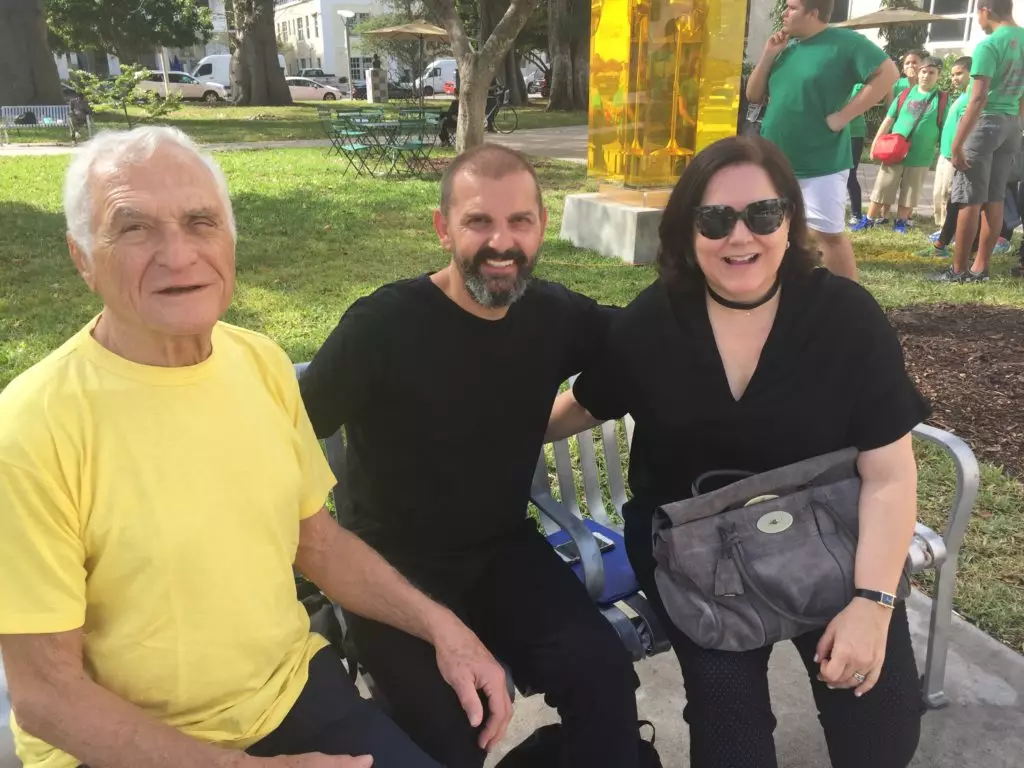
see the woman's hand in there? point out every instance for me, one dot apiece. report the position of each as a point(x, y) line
point(854, 645)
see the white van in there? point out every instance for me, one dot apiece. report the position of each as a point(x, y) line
point(437, 73)
point(217, 69)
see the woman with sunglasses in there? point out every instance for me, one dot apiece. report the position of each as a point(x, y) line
point(744, 356)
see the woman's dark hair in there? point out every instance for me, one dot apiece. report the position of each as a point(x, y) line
point(677, 258)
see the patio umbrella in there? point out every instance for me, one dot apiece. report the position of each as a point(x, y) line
point(889, 16)
point(420, 30)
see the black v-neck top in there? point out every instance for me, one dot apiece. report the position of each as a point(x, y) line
point(831, 375)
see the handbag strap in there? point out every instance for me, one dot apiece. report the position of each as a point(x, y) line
point(736, 550)
point(917, 121)
point(718, 474)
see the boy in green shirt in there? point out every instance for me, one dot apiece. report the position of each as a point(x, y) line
point(987, 139)
point(919, 119)
point(809, 69)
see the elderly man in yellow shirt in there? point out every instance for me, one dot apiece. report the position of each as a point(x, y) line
point(159, 478)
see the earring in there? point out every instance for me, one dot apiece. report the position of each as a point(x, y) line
point(787, 245)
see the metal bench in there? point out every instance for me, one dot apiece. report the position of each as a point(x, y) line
point(614, 588)
point(609, 578)
point(928, 550)
point(54, 116)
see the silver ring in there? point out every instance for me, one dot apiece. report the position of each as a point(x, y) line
point(859, 677)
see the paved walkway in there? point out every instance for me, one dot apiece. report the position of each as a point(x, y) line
point(982, 726)
point(567, 143)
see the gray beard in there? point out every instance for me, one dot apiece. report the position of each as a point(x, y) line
point(490, 298)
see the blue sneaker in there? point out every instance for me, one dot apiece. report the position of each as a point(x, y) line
point(902, 226)
point(1002, 246)
point(934, 251)
point(864, 224)
point(934, 236)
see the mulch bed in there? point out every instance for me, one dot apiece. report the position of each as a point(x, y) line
point(968, 360)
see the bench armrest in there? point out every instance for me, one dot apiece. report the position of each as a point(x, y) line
point(968, 478)
point(590, 553)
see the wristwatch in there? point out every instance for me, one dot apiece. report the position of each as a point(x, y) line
point(882, 598)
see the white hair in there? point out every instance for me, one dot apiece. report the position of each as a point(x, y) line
point(121, 148)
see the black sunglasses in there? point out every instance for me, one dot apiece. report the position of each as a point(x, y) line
point(761, 217)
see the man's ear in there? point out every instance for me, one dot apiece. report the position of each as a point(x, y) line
point(82, 262)
point(441, 227)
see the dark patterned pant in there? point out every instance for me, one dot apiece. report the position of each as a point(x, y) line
point(729, 707)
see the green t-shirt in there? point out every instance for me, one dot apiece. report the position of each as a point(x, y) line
point(810, 80)
point(956, 113)
point(1000, 57)
point(926, 135)
point(858, 126)
point(901, 85)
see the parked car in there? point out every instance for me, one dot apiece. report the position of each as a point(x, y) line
point(184, 85)
point(437, 73)
point(358, 89)
point(400, 90)
point(304, 89)
point(216, 68)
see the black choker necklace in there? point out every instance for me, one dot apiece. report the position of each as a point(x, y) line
point(747, 305)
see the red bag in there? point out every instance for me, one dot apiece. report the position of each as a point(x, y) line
point(892, 148)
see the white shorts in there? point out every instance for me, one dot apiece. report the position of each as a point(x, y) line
point(825, 202)
point(941, 188)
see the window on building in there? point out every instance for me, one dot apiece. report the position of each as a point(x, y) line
point(316, 25)
point(359, 66)
point(356, 20)
point(307, 29)
point(299, 36)
point(954, 30)
point(302, 63)
point(318, 64)
point(840, 11)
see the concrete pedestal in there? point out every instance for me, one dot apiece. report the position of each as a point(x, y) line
point(376, 86)
point(612, 228)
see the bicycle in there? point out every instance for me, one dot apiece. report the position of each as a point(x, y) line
point(502, 115)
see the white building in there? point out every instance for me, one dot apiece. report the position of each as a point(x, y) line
point(311, 33)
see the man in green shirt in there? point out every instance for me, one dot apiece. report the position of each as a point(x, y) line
point(809, 70)
point(918, 119)
point(987, 139)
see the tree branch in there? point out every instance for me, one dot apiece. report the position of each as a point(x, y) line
point(508, 29)
point(446, 11)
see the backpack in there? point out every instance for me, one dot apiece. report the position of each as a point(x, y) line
point(543, 749)
point(940, 115)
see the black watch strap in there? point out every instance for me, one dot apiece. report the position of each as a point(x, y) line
point(882, 598)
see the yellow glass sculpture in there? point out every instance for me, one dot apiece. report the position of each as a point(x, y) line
point(664, 83)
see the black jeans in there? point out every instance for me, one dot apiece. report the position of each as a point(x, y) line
point(534, 615)
point(330, 717)
point(728, 704)
point(852, 182)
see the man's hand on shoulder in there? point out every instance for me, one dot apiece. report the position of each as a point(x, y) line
point(468, 667)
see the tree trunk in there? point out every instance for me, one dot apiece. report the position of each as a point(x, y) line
point(513, 79)
point(257, 75)
point(570, 54)
point(477, 67)
point(28, 73)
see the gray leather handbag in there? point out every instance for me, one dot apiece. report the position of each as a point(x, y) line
point(765, 558)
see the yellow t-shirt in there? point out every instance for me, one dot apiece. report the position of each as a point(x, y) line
point(158, 509)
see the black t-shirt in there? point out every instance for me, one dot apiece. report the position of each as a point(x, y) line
point(831, 375)
point(445, 412)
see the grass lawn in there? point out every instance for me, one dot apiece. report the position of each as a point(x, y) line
point(311, 242)
point(226, 123)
